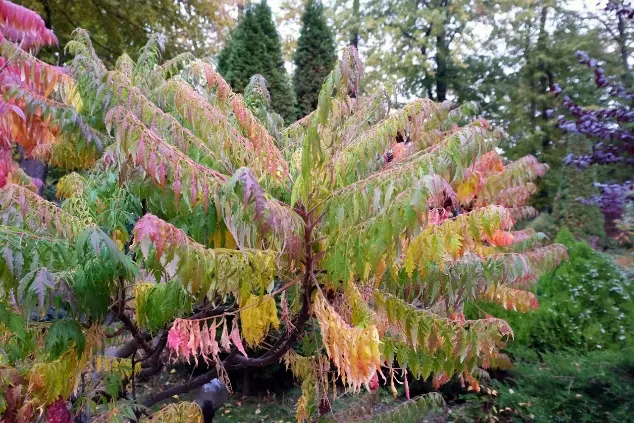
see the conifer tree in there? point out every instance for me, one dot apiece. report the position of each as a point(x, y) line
point(314, 57)
point(256, 49)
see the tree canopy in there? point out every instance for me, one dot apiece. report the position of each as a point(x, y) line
point(118, 27)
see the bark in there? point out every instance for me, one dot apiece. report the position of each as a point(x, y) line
point(354, 31)
point(246, 382)
point(622, 42)
point(529, 74)
point(545, 75)
point(442, 57)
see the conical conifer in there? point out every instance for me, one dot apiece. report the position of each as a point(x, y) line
point(255, 48)
point(314, 57)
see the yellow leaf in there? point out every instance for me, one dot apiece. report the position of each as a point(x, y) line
point(257, 316)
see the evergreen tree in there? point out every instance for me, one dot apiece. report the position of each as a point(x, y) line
point(314, 57)
point(586, 221)
point(256, 49)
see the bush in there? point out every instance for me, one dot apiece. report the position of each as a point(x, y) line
point(585, 304)
point(544, 222)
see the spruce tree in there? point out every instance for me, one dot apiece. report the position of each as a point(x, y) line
point(256, 49)
point(314, 57)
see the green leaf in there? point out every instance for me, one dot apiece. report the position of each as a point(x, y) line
point(61, 336)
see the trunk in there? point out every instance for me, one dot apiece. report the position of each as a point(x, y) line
point(442, 56)
point(354, 28)
point(428, 83)
point(47, 14)
point(622, 41)
point(528, 72)
point(624, 51)
point(545, 76)
point(246, 383)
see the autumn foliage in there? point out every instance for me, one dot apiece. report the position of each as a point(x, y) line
point(190, 233)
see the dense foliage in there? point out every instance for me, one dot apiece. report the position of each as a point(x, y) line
point(372, 229)
point(118, 27)
point(585, 304)
point(314, 57)
point(502, 55)
point(572, 357)
point(610, 126)
point(586, 221)
point(255, 48)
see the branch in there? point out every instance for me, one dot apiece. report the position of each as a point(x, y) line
point(185, 387)
point(8, 62)
point(126, 350)
point(134, 330)
point(283, 345)
point(180, 389)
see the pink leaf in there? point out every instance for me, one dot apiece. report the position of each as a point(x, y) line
point(224, 338)
point(235, 338)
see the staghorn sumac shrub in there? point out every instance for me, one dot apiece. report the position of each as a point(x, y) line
point(248, 241)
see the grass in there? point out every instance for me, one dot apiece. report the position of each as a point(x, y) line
point(269, 409)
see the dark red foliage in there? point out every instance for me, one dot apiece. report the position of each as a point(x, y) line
point(58, 412)
point(324, 406)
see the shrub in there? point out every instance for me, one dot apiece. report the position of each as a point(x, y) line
point(585, 304)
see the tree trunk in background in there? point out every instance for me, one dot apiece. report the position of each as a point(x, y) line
point(544, 76)
point(442, 56)
point(528, 72)
point(622, 41)
point(354, 28)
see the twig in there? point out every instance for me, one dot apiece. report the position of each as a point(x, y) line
point(15, 52)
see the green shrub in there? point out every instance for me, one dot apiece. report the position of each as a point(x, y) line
point(595, 386)
point(585, 304)
point(585, 221)
point(544, 222)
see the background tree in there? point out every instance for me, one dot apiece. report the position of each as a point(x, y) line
point(540, 38)
point(119, 27)
point(417, 47)
point(313, 58)
point(255, 48)
point(404, 44)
